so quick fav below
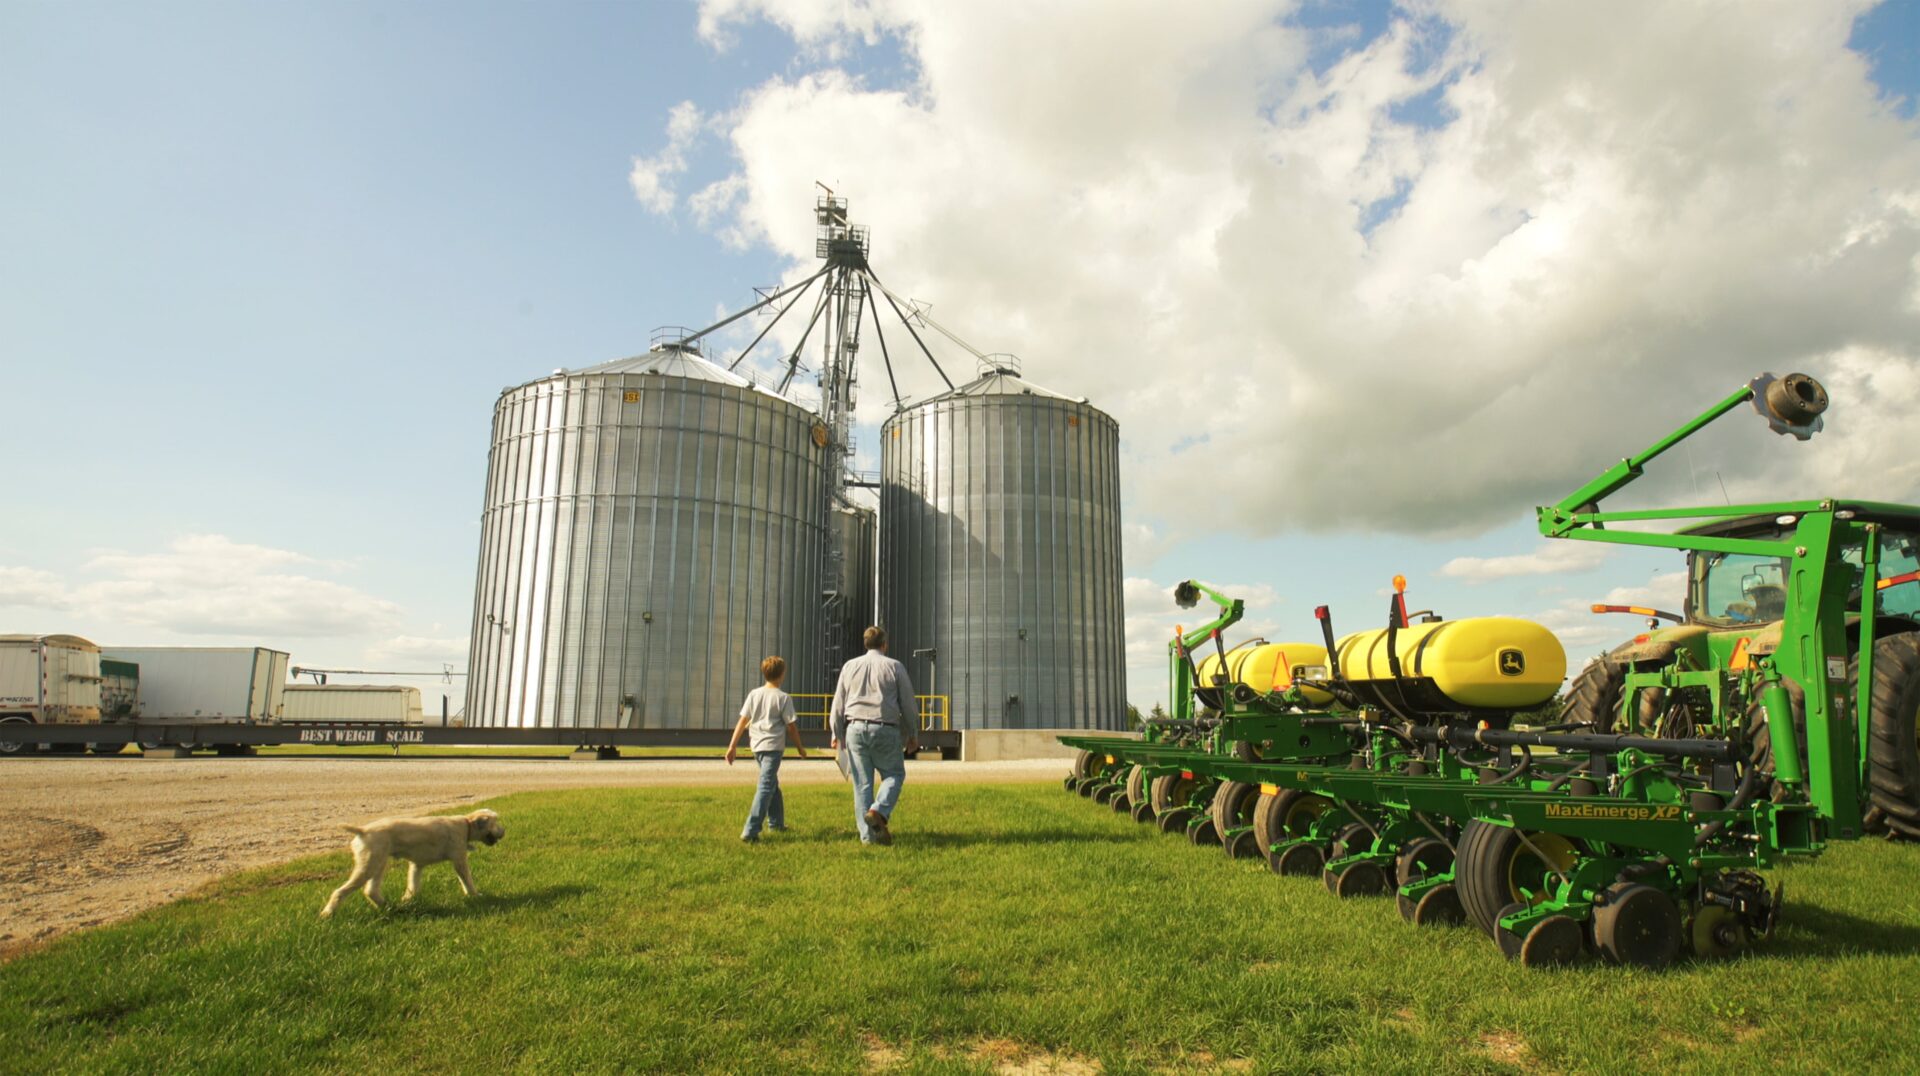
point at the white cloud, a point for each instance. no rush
(204, 585)
(1551, 558)
(1285, 288)
(651, 177)
(1585, 633)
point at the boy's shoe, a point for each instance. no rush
(776, 829)
(749, 838)
(877, 825)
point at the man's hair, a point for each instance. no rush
(773, 669)
(874, 638)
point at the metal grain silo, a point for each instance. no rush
(1000, 551)
(849, 607)
(653, 527)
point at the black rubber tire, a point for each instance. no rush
(1440, 908)
(1594, 695)
(1359, 880)
(14, 748)
(1242, 846)
(1172, 820)
(1486, 857)
(1082, 762)
(1277, 817)
(1202, 835)
(1141, 812)
(1350, 840)
(1636, 925)
(1893, 756)
(1137, 784)
(106, 749)
(1299, 861)
(1233, 804)
(1120, 804)
(1554, 941)
(1104, 794)
(1170, 790)
(1421, 859)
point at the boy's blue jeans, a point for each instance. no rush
(768, 807)
(874, 748)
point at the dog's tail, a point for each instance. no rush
(355, 830)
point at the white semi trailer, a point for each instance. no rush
(388, 704)
(208, 683)
(48, 680)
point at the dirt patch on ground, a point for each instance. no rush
(92, 840)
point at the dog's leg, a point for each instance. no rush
(376, 874)
(413, 882)
(466, 876)
(354, 878)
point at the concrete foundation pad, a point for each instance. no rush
(167, 751)
(999, 745)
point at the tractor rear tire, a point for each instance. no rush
(1494, 868)
(1893, 760)
(1594, 696)
(1233, 804)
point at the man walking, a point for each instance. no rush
(873, 712)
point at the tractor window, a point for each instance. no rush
(1899, 554)
(1739, 588)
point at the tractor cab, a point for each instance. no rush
(1735, 591)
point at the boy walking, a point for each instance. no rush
(767, 716)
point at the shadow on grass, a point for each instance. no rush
(486, 904)
(1811, 930)
(906, 835)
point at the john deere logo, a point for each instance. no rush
(1512, 662)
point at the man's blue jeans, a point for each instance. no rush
(768, 807)
(874, 748)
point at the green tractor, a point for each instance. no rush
(1693, 673)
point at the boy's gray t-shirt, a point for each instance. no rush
(767, 710)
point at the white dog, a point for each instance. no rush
(419, 841)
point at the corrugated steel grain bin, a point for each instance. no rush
(1000, 549)
(652, 528)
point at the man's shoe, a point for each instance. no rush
(747, 838)
(877, 825)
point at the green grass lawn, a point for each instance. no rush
(1011, 926)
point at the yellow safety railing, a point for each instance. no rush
(936, 712)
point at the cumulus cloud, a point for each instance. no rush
(1551, 558)
(1585, 633)
(205, 585)
(652, 177)
(1420, 285)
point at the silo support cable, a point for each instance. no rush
(908, 322)
(793, 360)
(867, 294)
(730, 319)
(934, 325)
(791, 303)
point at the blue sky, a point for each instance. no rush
(267, 266)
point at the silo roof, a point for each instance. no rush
(673, 362)
(1004, 383)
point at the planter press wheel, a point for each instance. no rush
(1141, 812)
(1300, 861)
(1636, 925)
(1172, 790)
(1554, 941)
(1287, 814)
(1120, 803)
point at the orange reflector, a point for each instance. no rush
(1642, 637)
(1602, 608)
(1111, 760)
(1641, 610)
(1269, 790)
(1740, 659)
(1187, 774)
(1484, 726)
